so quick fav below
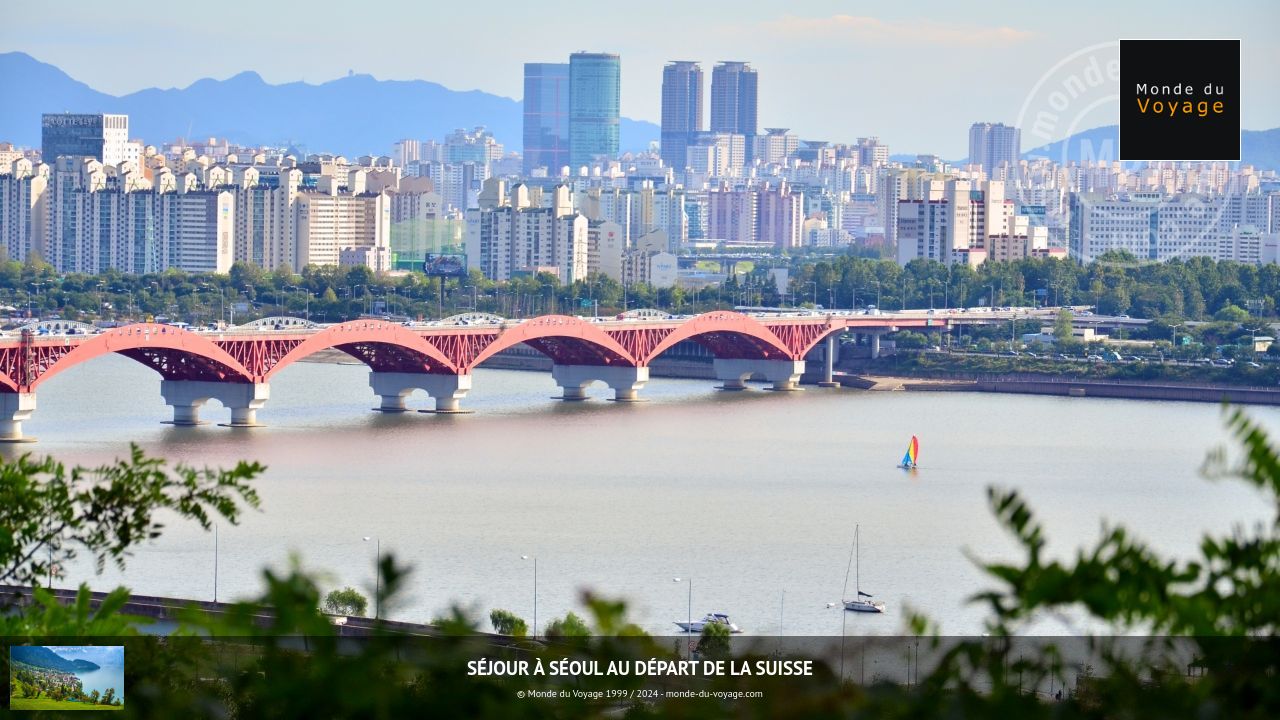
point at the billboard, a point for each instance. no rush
(445, 265)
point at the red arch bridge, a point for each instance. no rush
(235, 365)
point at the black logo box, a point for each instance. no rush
(1185, 65)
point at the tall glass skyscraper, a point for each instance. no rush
(546, 116)
(681, 110)
(595, 82)
(734, 101)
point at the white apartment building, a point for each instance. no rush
(507, 234)
(328, 223)
(22, 208)
(1155, 226)
(958, 221)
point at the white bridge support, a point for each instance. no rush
(187, 396)
(875, 345)
(784, 374)
(14, 408)
(829, 362)
(395, 387)
(626, 381)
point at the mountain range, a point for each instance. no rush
(42, 657)
(352, 115)
(1259, 148)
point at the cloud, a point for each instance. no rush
(870, 30)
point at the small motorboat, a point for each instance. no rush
(708, 619)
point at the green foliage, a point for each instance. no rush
(347, 601)
(49, 515)
(1232, 314)
(506, 622)
(570, 626)
(714, 641)
(1063, 326)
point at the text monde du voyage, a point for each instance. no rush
(1181, 99)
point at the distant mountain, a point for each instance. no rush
(353, 115)
(42, 657)
(1259, 148)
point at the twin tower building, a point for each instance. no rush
(572, 113)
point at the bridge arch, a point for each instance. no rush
(566, 340)
(382, 345)
(175, 353)
(728, 335)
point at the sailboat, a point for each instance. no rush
(913, 452)
(858, 603)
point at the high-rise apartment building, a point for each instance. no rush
(329, 222)
(22, 210)
(508, 233)
(734, 102)
(546, 117)
(994, 145)
(595, 82)
(681, 110)
(104, 138)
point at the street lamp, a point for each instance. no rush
(535, 592)
(689, 626)
(377, 588)
(215, 562)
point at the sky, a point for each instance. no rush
(916, 74)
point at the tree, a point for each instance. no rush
(93, 697)
(571, 626)
(347, 601)
(506, 622)
(1063, 325)
(714, 642)
(108, 695)
(49, 514)
(1232, 314)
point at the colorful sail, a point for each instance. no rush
(913, 452)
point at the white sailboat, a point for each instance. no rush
(861, 601)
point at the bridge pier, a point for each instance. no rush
(394, 388)
(188, 396)
(626, 381)
(829, 362)
(875, 345)
(734, 372)
(14, 409)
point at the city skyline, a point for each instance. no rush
(815, 60)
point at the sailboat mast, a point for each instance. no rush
(857, 578)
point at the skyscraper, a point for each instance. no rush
(101, 137)
(546, 116)
(734, 88)
(681, 110)
(991, 145)
(595, 81)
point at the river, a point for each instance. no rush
(754, 496)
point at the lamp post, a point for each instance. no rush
(534, 558)
(377, 588)
(689, 626)
(215, 562)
